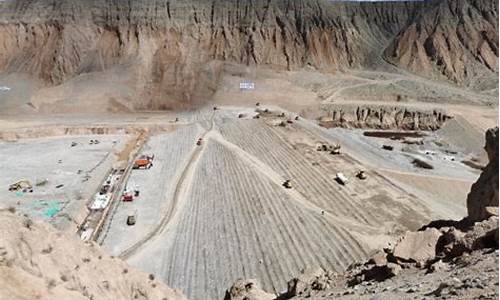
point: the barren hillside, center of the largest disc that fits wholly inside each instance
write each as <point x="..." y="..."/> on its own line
<point x="127" y="55"/>
<point x="37" y="262"/>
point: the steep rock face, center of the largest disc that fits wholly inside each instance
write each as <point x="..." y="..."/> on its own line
<point x="168" y="51"/>
<point x="163" y="54"/>
<point x="483" y="197"/>
<point x="36" y="262"/>
<point x="457" y="39"/>
<point x="383" y="117"/>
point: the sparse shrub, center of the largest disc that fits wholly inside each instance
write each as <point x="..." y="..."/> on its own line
<point x="125" y="271"/>
<point x="12" y="209"/>
<point x="151" y="277"/>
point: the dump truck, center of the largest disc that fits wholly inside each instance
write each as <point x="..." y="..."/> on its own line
<point x="22" y="185"/>
<point x="340" y="178"/>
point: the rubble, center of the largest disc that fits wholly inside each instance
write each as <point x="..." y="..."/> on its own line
<point x="247" y="290"/>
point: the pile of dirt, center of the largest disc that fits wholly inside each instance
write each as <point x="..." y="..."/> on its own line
<point x="37" y="262"/>
<point x="450" y="259"/>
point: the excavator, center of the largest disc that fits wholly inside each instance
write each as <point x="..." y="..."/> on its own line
<point x="22" y="185"/>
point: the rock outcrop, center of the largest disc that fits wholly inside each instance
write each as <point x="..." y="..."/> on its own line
<point x="37" y="262"/>
<point x="482" y="201"/>
<point x="383" y="117"/>
<point x="247" y="290"/>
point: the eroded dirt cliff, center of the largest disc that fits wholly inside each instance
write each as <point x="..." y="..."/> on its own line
<point x="168" y="54"/>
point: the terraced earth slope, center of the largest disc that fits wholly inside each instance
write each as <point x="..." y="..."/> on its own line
<point x="232" y="218"/>
<point x="126" y="55"/>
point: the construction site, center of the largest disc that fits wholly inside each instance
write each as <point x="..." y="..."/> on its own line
<point x="248" y="150"/>
<point x="200" y="199"/>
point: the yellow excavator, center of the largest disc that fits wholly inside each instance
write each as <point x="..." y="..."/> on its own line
<point x="22" y="185"/>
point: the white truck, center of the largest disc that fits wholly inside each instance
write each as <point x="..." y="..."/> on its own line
<point x="341" y="178"/>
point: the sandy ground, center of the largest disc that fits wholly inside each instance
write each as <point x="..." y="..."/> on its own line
<point x="79" y="170"/>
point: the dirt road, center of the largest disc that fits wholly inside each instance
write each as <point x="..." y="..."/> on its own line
<point x="180" y="190"/>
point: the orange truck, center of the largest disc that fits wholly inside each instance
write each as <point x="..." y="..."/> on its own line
<point x="143" y="162"/>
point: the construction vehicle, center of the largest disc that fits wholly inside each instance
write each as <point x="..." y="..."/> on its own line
<point x="287" y="184"/>
<point x="22" y="185"/>
<point x="335" y="150"/>
<point x="128" y="197"/>
<point x="199" y="141"/>
<point x="340" y="178"/>
<point x="361" y="175"/>
<point x="143" y="162"/>
<point x="132" y="218"/>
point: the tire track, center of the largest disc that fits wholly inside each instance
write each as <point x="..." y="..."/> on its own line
<point x="179" y="187"/>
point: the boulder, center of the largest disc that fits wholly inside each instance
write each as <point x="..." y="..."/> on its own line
<point x="311" y="278"/>
<point x="438" y="266"/>
<point x="378" y="259"/>
<point x="417" y="246"/>
<point x="247" y="290"/>
<point x="483" y="197"/>
<point x="482" y="235"/>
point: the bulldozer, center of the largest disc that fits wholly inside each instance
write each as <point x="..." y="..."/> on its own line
<point x="361" y="175"/>
<point x="287" y="184"/>
<point x="335" y="150"/>
<point x="22" y="185"/>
